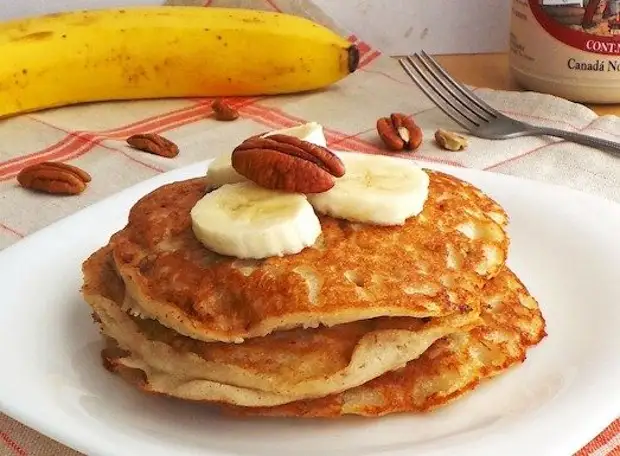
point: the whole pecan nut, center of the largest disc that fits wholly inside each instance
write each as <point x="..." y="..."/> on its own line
<point x="399" y="132"/>
<point x="287" y="163"/>
<point x="55" y="178"/>
<point x="223" y="111"/>
<point x="154" y="144"/>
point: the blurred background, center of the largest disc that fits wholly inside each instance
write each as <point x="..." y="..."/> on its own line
<point x="394" y="26"/>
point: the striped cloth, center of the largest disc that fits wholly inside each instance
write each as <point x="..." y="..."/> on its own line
<point x="92" y="137"/>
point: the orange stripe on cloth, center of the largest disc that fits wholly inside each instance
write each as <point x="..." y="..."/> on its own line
<point x="273" y="5"/>
<point x="157" y="124"/>
<point x="8" y="229"/>
<point x="367" y="60"/>
<point x="356" y="144"/>
<point x="12" y="445"/>
<point x="603" y="444"/>
<point x="366" y="53"/>
<point x="66" y="153"/>
<point x="84" y="151"/>
<point x="69" y="144"/>
<point x="78" y="143"/>
<point x="362" y="47"/>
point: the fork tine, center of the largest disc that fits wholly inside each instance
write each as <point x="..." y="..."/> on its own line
<point x="437" y="95"/>
<point x="463" y="122"/>
<point x="455" y="91"/>
<point x="461" y="87"/>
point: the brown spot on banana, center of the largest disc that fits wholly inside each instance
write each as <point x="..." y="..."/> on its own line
<point x="354" y="57"/>
<point x="35" y="36"/>
<point x="85" y="19"/>
<point x="55" y="15"/>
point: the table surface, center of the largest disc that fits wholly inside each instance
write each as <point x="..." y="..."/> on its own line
<point x="491" y="70"/>
<point x="95" y="141"/>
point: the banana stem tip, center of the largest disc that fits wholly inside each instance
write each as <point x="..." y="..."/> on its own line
<point x="354" y="58"/>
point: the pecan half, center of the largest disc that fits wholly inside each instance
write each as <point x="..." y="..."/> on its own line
<point x="154" y="144"/>
<point x="55" y="178"/>
<point x="399" y="132"/>
<point x="223" y="111"/>
<point x="286" y="163"/>
<point x="449" y="140"/>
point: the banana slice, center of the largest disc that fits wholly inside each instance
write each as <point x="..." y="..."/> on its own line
<point x="375" y="189"/>
<point x="247" y="221"/>
<point x="311" y="132"/>
<point x="221" y="171"/>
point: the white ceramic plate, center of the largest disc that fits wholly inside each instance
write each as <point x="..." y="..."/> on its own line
<point x="564" y="246"/>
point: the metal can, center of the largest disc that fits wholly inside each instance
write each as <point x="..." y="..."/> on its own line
<point x="568" y="48"/>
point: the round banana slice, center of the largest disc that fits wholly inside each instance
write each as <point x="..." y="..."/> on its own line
<point x="375" y="189"/>
<point x="247" y="221"/>
<point x="221" y="171"/>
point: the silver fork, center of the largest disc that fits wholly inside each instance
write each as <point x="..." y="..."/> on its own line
<point x="474" y="114"/>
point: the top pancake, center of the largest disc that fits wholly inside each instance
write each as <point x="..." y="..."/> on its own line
<point x="432" y="266"/>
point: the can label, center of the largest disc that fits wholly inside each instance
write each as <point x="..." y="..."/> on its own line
<point x="588" y="25"/>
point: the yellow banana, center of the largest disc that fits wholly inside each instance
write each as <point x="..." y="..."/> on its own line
<point x="161" y="52"/>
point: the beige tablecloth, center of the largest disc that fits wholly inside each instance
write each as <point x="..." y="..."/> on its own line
<point x="92" y="137"/>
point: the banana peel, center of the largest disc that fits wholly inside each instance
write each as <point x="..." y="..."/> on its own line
<point x="164" y="52"/>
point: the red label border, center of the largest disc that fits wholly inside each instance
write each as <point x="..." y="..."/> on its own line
<point x="574" y="38"/>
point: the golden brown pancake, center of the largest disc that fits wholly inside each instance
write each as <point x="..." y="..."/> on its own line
<point x="433" y="266"/>
<point x="275" y="369"/>
<point x="450" y="368"/>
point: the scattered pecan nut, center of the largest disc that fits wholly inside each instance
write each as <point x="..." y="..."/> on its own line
<point x="223" y="111"/>
<point x="399" y="132"/>
<point x="287" y="163"/>
<point x="54" y="178"/>
<point x="154" y="144"/>
<point x="449" y="140"/>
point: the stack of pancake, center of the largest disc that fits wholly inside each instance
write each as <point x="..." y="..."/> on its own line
<point x="370" y="320"/>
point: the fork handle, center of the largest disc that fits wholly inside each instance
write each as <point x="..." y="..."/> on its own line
<point x="586" y="140"/>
